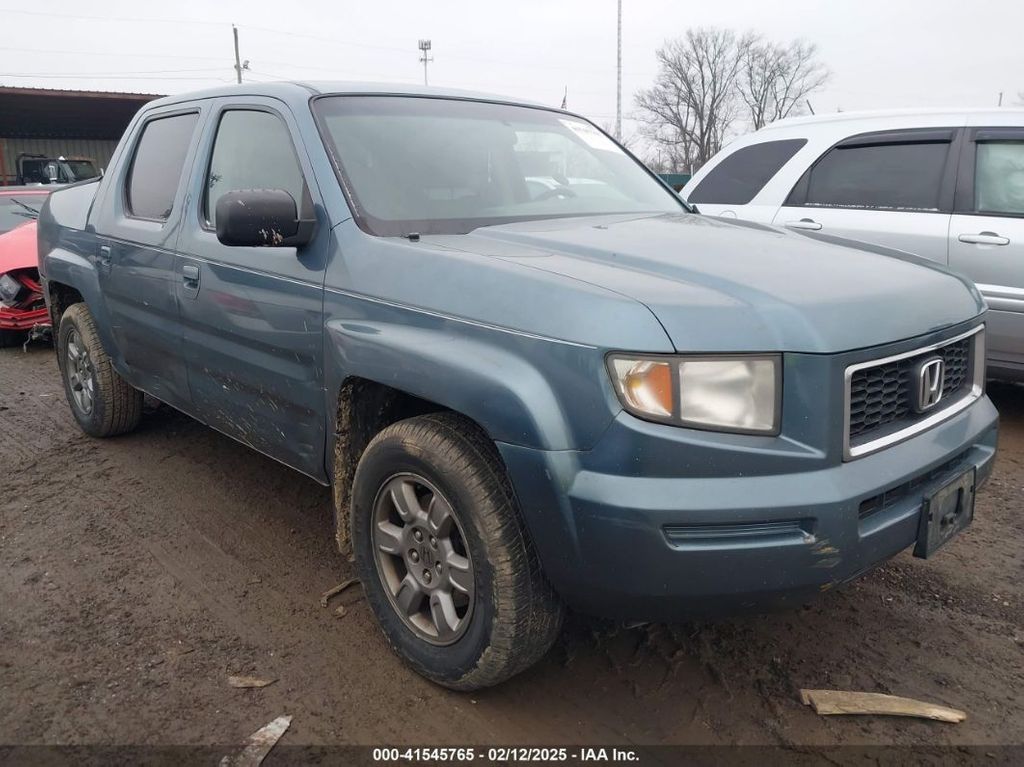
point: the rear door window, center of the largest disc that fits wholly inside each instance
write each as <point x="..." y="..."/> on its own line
<point x="738" y="178"/>
<point x="905" y="175"/>
<point x="999" y="178"/>
<point x="156" y="168"/>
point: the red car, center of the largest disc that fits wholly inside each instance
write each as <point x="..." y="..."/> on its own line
<point x="21" y="301"/>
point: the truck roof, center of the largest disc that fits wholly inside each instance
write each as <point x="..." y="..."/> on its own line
<point x="305" y="89"/>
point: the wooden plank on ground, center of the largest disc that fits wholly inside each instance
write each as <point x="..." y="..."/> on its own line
<point x="828" y="702"/>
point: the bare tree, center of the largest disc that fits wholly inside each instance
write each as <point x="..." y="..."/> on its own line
<point x="775" y="80"/>
<point x="693" y="101"/>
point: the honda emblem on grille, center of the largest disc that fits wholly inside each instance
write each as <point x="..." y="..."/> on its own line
<point x="929" y="384"/>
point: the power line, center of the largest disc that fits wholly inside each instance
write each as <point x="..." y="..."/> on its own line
<point x="464" y="57"/>
<point x="114" y="54"/>
<point x="133" y="72"/>
<point x="108" y="19"/>
<point x="278" y="32"/>
<point x="51" y="76"/>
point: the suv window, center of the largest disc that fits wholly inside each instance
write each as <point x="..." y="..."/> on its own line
<point x="157" y="165"/>
<point x="999" y="177"/>
<point x="253" y="150"/>
<point x="898" y="176"/>
<point x="738" y="178"/>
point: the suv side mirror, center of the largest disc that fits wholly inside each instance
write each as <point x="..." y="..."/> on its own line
<point x="261" y="218"/>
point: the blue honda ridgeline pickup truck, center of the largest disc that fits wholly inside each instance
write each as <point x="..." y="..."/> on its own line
<point x="533" y="377"/>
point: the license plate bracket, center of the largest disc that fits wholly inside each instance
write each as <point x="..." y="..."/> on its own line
<point x="944" y="513"/>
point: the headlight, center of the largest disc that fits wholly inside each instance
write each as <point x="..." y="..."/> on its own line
<point x="740" y="393"/>
<point x="9" y="289"/>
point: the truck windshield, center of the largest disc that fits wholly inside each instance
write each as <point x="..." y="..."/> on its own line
<point x="79" y="170"/>
<point x="445" y="166"/>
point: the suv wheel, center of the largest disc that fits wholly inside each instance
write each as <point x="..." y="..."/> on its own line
<point x="103" y="403"/>
<point x="443" y="555"/>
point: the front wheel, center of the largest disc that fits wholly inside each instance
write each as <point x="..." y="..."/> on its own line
<point x="102" y="402"/>
<point x="444" y="558"/>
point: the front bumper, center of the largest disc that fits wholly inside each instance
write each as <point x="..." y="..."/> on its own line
<point x="622" y="545"/>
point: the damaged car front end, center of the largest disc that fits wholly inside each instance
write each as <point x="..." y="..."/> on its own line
<point x="22" y="308"/>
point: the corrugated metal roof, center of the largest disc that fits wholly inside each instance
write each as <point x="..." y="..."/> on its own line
<point x="73" y="92"/>
<point x="58" y="113"/>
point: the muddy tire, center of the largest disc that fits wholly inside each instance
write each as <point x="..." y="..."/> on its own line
<point x="102" y="402"/>
<point x="445" y="560"/>
<point x="12" y="338"/>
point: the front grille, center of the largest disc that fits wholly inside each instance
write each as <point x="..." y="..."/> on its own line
<point x="879" y="396"/>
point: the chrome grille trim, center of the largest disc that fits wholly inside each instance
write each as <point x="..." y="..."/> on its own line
<point x="974" y="393"/>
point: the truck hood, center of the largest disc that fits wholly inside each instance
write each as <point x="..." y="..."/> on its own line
<point x="18" y="248"/>
<point x="737" y="286"/>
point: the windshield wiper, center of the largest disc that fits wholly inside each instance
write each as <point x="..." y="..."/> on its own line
<point x="33" y="212"/>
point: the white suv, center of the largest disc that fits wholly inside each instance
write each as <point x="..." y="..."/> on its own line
<point x="947" y="185"/>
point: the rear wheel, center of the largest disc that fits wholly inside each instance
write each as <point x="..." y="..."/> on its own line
<point x="102" y="402"/>
<point x="443" y="555"/>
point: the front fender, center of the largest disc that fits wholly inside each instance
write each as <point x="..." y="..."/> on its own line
<point x="521" y="389"/>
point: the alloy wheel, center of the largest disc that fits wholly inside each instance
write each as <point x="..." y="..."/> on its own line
<point x="80" y="372"/>
<point x="422" y="558"/>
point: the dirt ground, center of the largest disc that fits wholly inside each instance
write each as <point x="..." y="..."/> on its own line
<point x="137" y="573"/>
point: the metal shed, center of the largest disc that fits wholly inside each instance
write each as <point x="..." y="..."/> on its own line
<point x="64" y="123"/>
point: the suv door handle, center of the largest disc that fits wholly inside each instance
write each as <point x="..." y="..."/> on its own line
<point x="104" y="259"/>
<point x="804" y="223"/>
<point x="984" y="238"/>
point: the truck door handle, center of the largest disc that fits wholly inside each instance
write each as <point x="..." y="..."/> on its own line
<point x="804" y="223"/>
<point x="190" y="274"/>
<point x="984" y="238"/>
<point x="104" y="258"/>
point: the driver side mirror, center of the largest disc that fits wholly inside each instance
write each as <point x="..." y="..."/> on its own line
<point x="266" y="218"/>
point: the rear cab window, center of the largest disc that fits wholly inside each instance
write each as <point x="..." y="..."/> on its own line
<point x="897" y="171"/>
<point x="738" y="178"/>
<point x="157" y="166"/>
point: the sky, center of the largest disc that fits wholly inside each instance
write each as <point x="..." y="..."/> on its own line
<point x="882" y="53"/>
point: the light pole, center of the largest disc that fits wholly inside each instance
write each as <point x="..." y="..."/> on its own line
<point x="425" y="57"/>
<point x="238" y="63"/>
<point x="618" y="81"/>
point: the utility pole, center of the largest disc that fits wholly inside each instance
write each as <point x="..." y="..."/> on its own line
<point x="618" y="81"/>
<point x="238" y="62"/>
<point x="425" y="57"/>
